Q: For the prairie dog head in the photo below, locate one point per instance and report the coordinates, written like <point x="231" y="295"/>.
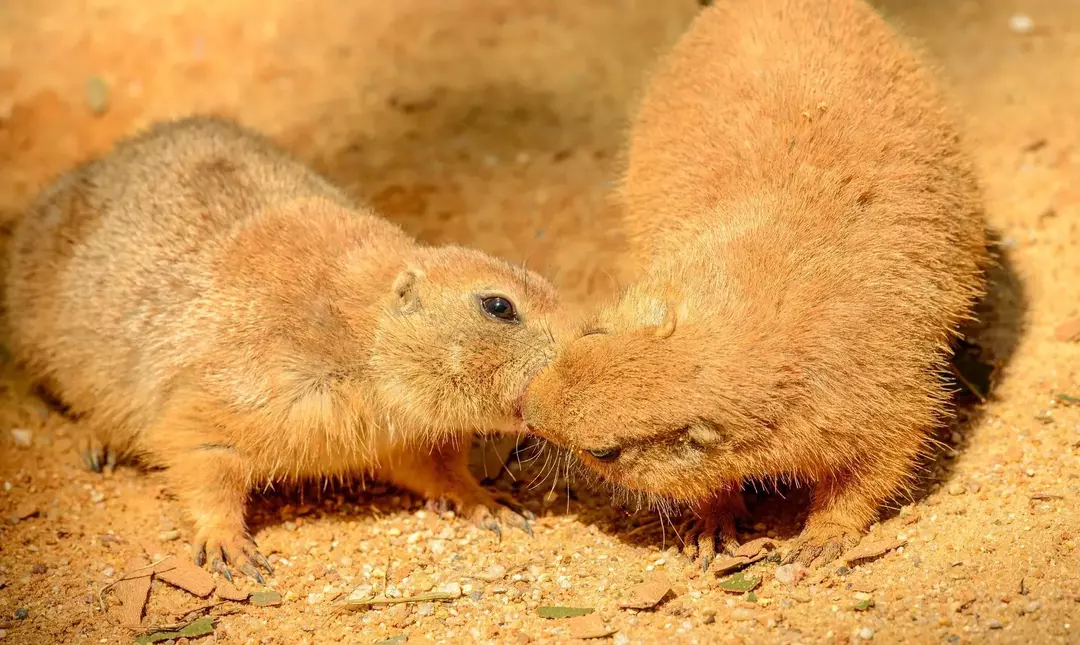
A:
<point x="655" y="397"/>
<point x="459" y="338"/>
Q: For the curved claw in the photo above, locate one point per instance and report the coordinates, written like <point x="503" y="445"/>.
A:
<point x="250" y="570"/>
<point x="200" y="555"/>
<point x="219" y="566"/>
<point x="261" y="560"/>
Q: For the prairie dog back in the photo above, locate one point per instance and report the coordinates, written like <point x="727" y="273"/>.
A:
<point x="109" y="264"/>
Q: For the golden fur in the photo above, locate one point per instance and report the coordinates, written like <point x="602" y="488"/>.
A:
<point x="205" y="302"/>
<point x="815" y="236"/>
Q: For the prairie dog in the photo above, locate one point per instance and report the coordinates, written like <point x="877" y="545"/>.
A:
<point x="205" y="302"/>
<point x="815" y="236"/>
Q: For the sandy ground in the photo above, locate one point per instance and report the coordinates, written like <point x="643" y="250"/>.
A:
<point x="496" y="123"/>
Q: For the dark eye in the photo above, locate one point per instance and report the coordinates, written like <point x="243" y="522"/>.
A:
<point x="607" y="454"/>
<point x="500" y="308"/>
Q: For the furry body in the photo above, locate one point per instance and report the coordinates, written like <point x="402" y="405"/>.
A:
<point x="205" y="302"/>
<point x="814" y="237"/>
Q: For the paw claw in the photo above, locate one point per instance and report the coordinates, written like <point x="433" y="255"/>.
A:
<point x="219" y="566"/>
<point x="250" y="570"/>
<point x="200" y="556"/>
<point x="261" y="560"/>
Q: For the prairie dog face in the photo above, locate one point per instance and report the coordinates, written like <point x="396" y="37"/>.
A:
<point x="461" y="336"/>
<point x="634" y="394"/>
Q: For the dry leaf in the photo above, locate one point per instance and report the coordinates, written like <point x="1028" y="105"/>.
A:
<point x="590" y="626"/>
<point x="269" y="598"/>
<point x="185" y="575"/>
<point x="648" y="594"/>
<point x="132" y="590"/>
<point x="740" y="583"/>
<point x="754" y="547"/>
<point x="228" y="591"/>
<point x="867" y="550"/>
<point x="563" y="612"/>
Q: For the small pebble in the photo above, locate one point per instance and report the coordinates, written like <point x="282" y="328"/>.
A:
<point x="425" y="609"/>
<point x="843" y="571"/>
<point x="97" y="497"/>
<point x="1021" y="23"/>
<point x="790" y="574"/>
<point x="290" y="526"/>
<point x="1030" y="472"/>
<point x="392" y="592"/>
<point x="38" y="569"/>
<point x="438" y="547"/>
<point x="108" y="572"/>
<point x="476" y="596"/>
<point x="956" y="489"/>
<point x="23" y="438"/>
<point x="452" y="589"/>
<point x="97" y="95"/>
<point x="22" y="613"/>
<point x="169" y="536"/>
<point x="742" y="615"/>
<point x="866" y="633"/>
<point x="709" y="617"/>
<point x="995" y="624"/>
<point x="494" y="572"/>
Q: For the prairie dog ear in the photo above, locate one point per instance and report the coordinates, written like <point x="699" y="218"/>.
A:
<point x="406" y="291"/>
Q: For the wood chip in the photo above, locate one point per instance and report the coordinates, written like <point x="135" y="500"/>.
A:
<point x="867" y="550"/>
<point x="1068" y="331"/>
<point x="649" y="593"/>
<point x="228" y="591"/>
<point x="591" y="626"/>
<point x="185" y="575"/>
<point x="754" y="547"/>
<point x="133" y="590"/>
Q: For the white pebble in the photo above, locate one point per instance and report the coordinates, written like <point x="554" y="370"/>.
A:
<point x="1021" y="23"/>
<point x="450" y="588"/>
<point x="866" y="633"/>
<point x="23" y="438"/>
<point x="108" y="572"/>
<point x="438" y="547"/>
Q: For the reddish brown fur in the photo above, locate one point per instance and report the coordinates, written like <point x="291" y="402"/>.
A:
<point x="816" y="237"/>
<point x="204" y="301"/>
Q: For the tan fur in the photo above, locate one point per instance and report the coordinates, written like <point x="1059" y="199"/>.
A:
<point x="815" y="237"/>
<point x="203" y="301"/>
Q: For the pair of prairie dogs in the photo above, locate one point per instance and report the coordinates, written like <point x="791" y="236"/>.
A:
<point x="813" y="236"/>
